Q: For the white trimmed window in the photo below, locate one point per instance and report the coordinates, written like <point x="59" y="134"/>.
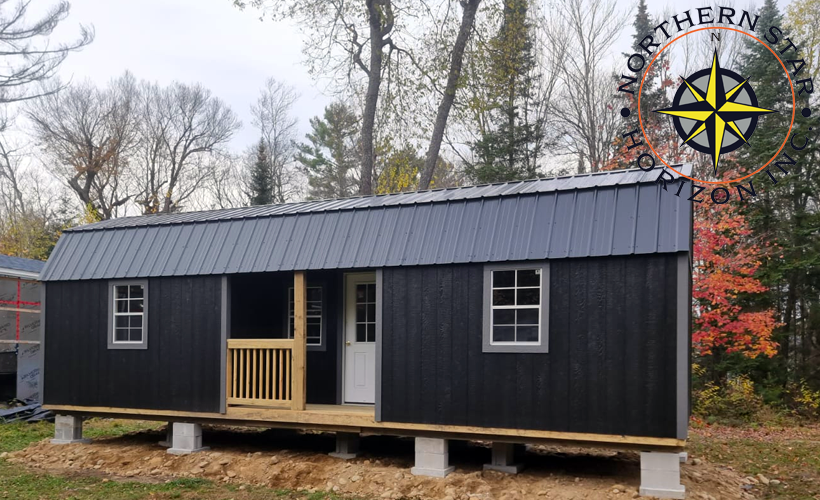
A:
<point x="314" y="315"/>
<point x="516" y="302"/>
<point x="128" y="318"/>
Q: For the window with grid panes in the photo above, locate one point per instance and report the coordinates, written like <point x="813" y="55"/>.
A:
<point x="313" y="316"/>
<point x="128" y="321"/>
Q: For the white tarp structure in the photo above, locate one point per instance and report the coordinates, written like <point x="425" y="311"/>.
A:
<point x="20" y="332"/>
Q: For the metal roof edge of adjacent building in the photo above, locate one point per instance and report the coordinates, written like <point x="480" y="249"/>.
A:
<point x="20" y="267"/>
<point x="438" y="195"/>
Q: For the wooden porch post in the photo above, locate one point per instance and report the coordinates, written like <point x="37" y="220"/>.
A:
<point x="299" y="341"/>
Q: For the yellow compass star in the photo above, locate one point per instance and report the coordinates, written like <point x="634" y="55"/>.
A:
<point x="715" y="113"/>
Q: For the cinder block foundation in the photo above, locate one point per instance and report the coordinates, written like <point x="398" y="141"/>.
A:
<point x="432" y="458"/>
<point x="68" y="429"/>
<point x="660" y="475"/>
<point x="684" y="457"/>
<point x="186" y="438"/>
<point x="347" y="445"/>
<point x="504" y="458"/>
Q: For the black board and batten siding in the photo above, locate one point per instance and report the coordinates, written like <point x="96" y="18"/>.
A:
<point x="180" y="370"/>
<point x="611" y="366"/>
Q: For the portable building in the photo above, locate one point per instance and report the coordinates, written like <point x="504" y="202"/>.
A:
<point x="542" y="310"/>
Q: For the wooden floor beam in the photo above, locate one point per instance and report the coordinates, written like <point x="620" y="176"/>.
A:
<point x="362" y="420"/>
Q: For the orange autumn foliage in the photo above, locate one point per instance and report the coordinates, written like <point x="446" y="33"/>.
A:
<point x="725" y="261"/>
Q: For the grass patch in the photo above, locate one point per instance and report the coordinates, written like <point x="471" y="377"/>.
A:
<point x="792" y="458"/>
<point x="18" y="435"/>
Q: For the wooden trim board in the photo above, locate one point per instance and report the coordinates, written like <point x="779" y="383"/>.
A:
<point x="362" y="420"/>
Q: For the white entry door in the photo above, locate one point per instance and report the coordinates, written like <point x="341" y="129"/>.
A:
<point x="360" y="338"/>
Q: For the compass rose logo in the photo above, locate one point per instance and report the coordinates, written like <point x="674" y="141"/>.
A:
<point x="711" y="119"/>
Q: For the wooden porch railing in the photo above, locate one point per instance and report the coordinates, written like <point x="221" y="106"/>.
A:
<point x="260" y="372"/>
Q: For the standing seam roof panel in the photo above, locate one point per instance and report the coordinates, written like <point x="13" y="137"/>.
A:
<point x="593" y="215"/>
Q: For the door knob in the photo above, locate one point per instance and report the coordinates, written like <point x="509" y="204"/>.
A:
<point x="347" y="343"/>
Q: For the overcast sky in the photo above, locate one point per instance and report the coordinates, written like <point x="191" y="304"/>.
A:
<point x="229" y="51"/>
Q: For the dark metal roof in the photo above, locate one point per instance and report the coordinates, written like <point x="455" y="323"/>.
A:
<point x="20" y="264"/>
<point x="609" y="213"/>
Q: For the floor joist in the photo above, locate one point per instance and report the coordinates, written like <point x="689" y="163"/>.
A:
<point x="362" y="420"/>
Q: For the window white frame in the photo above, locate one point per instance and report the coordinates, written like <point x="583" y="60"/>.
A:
<point x="542" y="344"/>
<point x="312" y="344"/>
<point x="114" y="313"/>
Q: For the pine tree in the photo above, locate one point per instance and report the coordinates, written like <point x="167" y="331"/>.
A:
<point x="653" y="95"/>
<point x="261" y="183"/>
<point x="783" y="214"/>
<point x="511" y="149"/>
<point x="331" y="157"/>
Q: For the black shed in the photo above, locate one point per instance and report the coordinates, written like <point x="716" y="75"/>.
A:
<point x="544" y="309"/>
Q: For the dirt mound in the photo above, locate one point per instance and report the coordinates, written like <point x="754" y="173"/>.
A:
<point x="287" y="459"/>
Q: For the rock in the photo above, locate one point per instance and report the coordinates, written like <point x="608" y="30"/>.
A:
<point x="274" y="459"/>
<point x="356" y="478"/>
<point x="224" y="461"/>
<point x="106" y="480"/>
<point x="697" y="461"/>
<point x="399" y="475"/>
<point x="197" y="470"/>
<point x="751" y="480"/>
<point x="387" y="494"/>
<point x="231" y="474"/>
<point x="4" y="454"/>
<point x="203" y="464"/>
<point x="342" y="481"/>
<point x="542" y="493"/>
<point x="619" y="486"/>
<point x="577" y="479"/>
<point x="448" y="497"/>
<point x="763" y="479"/>
<point x="774" y="482"/>
<point x="243" y="487"/>
<point x="336" y="489"/>
<point x="635" y="494"/>
<point x="156" y="472"/>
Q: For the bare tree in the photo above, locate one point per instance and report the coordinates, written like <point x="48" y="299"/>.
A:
<point x="271" y="115"/>
<point x="180" y="126"/>
<point x="348" y="38"/>
<point x="27" y="58"/>
<point x="227" y="187"/>
<point x="86" y="135"/>
<point x="11" y="189"/>
<point x="586" y="112"/>
<point x="469" y="9"/>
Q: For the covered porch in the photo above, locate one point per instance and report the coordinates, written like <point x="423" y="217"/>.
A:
<point x="295" y="341"/>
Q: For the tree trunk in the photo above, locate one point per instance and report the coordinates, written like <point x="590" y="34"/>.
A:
<point x="456" y="59"/>
<point x="375" y="11"/>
